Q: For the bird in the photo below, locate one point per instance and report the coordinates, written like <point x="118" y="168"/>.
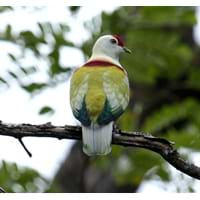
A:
<point x="99" y="94"/>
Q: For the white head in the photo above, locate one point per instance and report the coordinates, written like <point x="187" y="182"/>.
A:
<point x="109" y="47"/>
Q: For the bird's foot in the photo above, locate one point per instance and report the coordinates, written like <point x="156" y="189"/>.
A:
<point x="115" y="128"/>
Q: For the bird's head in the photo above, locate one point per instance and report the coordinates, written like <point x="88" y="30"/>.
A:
<point x="109" y="46"/>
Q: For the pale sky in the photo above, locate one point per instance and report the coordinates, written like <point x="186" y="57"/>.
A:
<point x="16" y="106"/>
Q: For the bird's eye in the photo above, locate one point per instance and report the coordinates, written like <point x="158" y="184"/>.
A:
<point x="113" y="41"/>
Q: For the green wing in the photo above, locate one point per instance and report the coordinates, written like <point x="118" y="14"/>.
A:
<point x="78" y="90"/>
<point x="116" y="88"/>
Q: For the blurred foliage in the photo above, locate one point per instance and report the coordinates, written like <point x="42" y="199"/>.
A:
<point x="164" y="78"/>
<point x="14" y="178"/>
<point x="5" y="8"/>
<point x="45" y="110"/>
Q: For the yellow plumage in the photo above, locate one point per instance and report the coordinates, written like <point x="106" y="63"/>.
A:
<point x="94" y="92"/>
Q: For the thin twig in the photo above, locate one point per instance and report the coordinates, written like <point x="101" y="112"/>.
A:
<point x="25" y="148"/>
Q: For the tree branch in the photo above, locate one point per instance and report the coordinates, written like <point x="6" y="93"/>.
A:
<point x="133" y="139"/>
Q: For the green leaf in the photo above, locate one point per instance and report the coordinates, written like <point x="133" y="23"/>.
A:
<point x="33" y="87"/>
<point x="74" y="9"/>
<point x="5" y="8"/>
<point x="12" y="57"/>
<point x="3" y="81"/>
<point x="64" y="28"/>
<point x="8" y="32"/>
<point x="28" y="70"/>
<point x="14" y="75"/>
<point x="31" y="40"/>
<point x="46" y="110"/>
<point x="42" y="29"/>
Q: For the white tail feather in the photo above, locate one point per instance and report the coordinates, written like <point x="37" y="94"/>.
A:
<point x="97" y="139"/>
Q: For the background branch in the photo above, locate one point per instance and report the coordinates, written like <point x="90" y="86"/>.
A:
<point x="133" y="139"/>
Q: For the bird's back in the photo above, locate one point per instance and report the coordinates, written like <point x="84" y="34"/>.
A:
<point x="97" y="93"/>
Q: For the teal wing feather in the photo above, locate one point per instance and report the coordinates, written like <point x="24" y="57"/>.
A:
<point x="82" y="114"/>
<point x="109" y="114"/>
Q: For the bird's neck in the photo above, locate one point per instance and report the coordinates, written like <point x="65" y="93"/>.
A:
<point x="101" y="57"/>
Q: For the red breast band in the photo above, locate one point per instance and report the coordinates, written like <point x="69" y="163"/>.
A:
<point x="100" y="63"/>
